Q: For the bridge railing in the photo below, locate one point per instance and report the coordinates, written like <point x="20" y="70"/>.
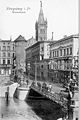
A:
<point x="57" y="97"/>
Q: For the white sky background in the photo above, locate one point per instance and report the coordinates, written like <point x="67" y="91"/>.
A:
<point x="62" y="17"/>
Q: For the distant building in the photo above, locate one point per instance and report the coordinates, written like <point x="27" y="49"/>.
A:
<point x="64" y="57"/>
<point x="7" y="51"/>
<point x="30" y="42"/>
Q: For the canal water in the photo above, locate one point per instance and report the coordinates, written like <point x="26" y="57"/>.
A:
<point x="31" y="109"/>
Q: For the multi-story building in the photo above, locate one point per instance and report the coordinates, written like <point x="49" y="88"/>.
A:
<point x="7" y="51"/>
<point x="20" y="45"/>
<point x="40" y="51"/>
<point x="64" y="55"/>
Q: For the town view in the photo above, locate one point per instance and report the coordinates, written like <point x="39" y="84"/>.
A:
<point x="39" y="77"/>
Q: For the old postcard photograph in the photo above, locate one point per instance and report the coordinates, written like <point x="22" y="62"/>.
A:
<point x="39" y="60"/>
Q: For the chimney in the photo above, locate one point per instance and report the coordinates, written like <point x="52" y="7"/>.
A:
<point x="10" y="38"/>
<point x="52" y="35"/>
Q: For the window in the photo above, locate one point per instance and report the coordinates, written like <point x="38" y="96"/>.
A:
<point x="42" y="75"/>
<point x="42" y="48"/>
<point x="53" y="53"/>
<point x="67" y="51"/>
<point x="8" y="47"/>
<point x="48" y="67"/>
<point x="57" y="53"/>
<point x="13" y="46"/>
<point x="42" y="31"/>
<point x="70" y="50"/>
<point x="4" y="54"/>
<point x="41" y="38"/>
<point x="41" y="66"/>
<point x="8" y="54"/>
<point x="4" y="61"/>
<point x="4" y="47"/>
<point x="50" y="54"/>
<point x="13" y="55"/>
<point x="64" y="52"/>
<point x="60" y="52"/>
<point x="44" y="38"/>
<point x="8" y="61"/>
<point x="42" y="57"/>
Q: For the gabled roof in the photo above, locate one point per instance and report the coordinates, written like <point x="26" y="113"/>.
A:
<point x="20" y="39"/>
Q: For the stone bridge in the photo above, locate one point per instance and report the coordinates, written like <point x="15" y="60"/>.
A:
<point x="51" y="91"/>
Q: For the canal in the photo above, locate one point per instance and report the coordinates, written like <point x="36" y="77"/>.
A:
<point x="31" y="109"/>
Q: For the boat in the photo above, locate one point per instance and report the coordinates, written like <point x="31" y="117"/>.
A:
<point x="9" y="87"/>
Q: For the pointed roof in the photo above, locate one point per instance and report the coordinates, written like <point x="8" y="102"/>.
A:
<point x="41" y="15"/>
<point x="19" y="39"/>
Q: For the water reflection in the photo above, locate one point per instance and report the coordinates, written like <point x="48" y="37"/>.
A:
<point x="34" y="109"/>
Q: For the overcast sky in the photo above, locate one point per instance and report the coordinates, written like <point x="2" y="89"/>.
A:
<point x="62" y="17"/>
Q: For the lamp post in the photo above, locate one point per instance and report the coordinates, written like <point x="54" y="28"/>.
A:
<point x="28" y="71"/>
<point x="35" y="72"/>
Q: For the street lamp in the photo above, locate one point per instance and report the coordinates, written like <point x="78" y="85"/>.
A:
<point x="28" y="70"/>
<point x="35" y="72"/>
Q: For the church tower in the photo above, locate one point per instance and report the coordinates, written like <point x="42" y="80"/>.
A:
<point x="41" y="26"/>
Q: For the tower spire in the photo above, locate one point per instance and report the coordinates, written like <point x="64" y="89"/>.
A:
<point x="41" y="15"/>
<point x="41" y="26"/>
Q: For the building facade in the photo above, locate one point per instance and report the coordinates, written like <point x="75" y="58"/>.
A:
<point x="64" y="56"/>
<point x="20" y="45"/>
<point x="36" y="56"/>
<point x="7" y="51"/>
